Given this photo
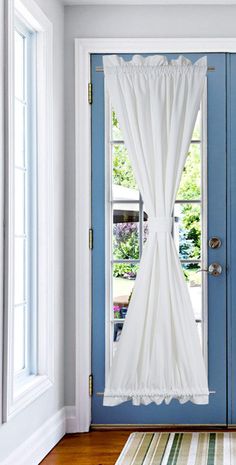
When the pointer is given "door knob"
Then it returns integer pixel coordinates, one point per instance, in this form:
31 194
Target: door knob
215 269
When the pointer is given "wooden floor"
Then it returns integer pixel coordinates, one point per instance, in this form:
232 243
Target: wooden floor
95 448
99 447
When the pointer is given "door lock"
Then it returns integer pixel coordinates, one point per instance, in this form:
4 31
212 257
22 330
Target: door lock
214 242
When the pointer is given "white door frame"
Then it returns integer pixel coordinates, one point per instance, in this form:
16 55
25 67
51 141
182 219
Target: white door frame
83 49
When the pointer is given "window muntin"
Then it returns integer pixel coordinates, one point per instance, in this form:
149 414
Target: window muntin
127 229
25 208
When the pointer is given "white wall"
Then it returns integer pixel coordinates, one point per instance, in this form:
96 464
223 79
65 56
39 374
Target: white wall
29 420
118 21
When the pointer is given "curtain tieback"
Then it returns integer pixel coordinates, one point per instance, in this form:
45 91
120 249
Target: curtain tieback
160 224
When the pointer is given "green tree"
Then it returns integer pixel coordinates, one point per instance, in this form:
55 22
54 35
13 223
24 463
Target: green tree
190 188
122 169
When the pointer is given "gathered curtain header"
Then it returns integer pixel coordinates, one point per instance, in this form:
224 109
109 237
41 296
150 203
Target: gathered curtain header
156 64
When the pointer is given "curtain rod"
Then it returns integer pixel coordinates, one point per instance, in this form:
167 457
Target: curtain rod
99 394
99 69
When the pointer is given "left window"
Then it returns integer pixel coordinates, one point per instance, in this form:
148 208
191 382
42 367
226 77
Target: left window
24 302
29 219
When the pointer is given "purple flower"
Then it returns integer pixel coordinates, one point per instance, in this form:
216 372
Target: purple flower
116 308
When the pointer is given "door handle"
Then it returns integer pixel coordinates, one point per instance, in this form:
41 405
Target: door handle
214 269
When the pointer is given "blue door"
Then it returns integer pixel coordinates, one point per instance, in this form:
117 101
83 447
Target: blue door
120 227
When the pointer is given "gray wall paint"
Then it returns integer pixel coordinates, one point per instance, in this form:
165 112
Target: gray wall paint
118 21
25 423
150 21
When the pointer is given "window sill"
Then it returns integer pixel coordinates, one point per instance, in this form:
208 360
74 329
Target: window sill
27 392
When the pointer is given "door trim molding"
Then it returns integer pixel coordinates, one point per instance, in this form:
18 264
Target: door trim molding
83 302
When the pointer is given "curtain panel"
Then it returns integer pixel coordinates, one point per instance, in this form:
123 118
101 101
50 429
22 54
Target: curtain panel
159 356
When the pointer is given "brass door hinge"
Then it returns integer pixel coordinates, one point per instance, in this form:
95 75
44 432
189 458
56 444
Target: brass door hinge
90 93
90 238
90 385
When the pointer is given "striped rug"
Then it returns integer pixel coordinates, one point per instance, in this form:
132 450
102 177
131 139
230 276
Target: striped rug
179 449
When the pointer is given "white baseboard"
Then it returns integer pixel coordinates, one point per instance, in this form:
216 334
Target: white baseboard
39 444
71 419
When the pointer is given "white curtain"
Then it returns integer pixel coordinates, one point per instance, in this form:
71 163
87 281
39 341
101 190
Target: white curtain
159 357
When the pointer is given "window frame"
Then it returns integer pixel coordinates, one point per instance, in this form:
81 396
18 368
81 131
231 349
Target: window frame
29 13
